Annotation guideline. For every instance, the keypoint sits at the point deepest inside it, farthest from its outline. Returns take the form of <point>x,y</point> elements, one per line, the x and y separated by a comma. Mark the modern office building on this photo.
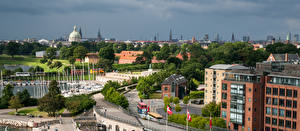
<point>264,99</point>
<point>213,80</point>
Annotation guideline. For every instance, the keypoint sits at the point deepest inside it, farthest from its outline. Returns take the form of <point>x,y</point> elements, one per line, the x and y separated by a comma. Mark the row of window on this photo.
<point>281,102</point>
<point>282,92</point>
<point>280,122</point>
<point>281,112</point>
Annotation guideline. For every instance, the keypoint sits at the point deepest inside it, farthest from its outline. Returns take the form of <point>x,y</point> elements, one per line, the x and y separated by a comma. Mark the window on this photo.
<point>224,96</point>
<point>281,122</point>
<point>281,92</point>
<point>275,91</point>
<point>248,118</point>
<point>288,113</point>
<point>275,101</point>
<point>267,129</point>
<point>294,104</point>
<point>268,100</point>
<point>249,99</point>
<point>281,102</point>
<point>249,89</point>
<point>289,93</point>
<point>267,120</point>
<point>295,93</point>
<point>288,103</point>
<point>274,129</point>
<point>294,114</point>
<point>268,90</point>
<point>294,125</point>
<point>224,114</point>
<point>274,111</point>
<point>166,88</point>
<point>288,124</point>
<point>224,86</point>
<point>249,109</point>
<point>268,110</point>
<point>281,112</point>
<point>224,105</point>
<point>274,121</point>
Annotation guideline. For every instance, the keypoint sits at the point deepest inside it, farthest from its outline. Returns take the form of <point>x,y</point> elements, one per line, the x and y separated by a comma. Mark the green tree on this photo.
<point>38,69</point>
<point>15,103</point>
<point>212,109</point>
<point>19,69</point>
<point>176,100</point>
<point>50,53</point>
<point>107,53</point>
<point>53,88</point>
<point>7,93</point>
<point>72,60</point>
<point>80,52</point>
<point>186,100</point>
<point>65,52</point>
<point>12,49</point>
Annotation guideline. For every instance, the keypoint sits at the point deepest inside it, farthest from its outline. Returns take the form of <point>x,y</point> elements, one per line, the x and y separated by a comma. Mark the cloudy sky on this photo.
<point>141,19</point>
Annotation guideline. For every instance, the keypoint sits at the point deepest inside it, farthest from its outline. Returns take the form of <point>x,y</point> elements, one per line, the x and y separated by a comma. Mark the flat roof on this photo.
<point>228,67</point>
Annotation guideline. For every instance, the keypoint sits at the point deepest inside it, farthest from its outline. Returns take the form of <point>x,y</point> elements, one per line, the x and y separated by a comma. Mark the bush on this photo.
<point>79,103</point>
<point>43,61</point>
<point>19,69</point>
<point>196,94</point>
<point>211,109</point>
<point>177,108</point>
<point>115,97</point>
<point>176,100</point>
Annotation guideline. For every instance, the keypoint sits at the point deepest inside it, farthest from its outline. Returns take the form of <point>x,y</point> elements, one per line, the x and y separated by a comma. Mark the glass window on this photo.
<point>268,100</point>
<point>268,110</point>
<point>288,124</point>
<point>294,114</point>
<point>274,121</point>
<point>224,96</point>
<point>288,113</point>
<point>281,112</point>
<point>249,89</point>
<point>275,91</point>
<point>289,93</point>
<point>281,122</point>
<point>268,90</point>
<point>267,120</point>
<point>275,101</point>
<point>224,86</point>
<point>295,93</point>
<point>224,114</point>
<point>166,88</point>
<point>224,105</point>
<point>267,129</point>
<point>282,92</point>
<point>274,111</point>
<point>249,99</point>
<point>274,129</point>
<point>294,104</point>
<point>281,102</point>
<point>294,125</point>
<point>288,103</point>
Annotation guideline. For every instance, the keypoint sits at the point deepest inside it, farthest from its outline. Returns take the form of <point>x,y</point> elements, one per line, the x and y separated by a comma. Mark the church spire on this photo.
<point>80,32</point>
<point>170,36</point>
<point>99,38</point>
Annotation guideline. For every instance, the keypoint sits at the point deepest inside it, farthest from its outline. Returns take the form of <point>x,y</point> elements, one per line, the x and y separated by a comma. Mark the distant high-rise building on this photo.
<point>181,37</point>
<point>232,38</point>
<point>206,37</point>
<point>155,38</point>
<point>170,36</point>
<point>270,38</point>
<point>296,37</point>
<point>80,32</point>
<point>193,39</point>
<point>288,36</point>
<point>99,37</point>
<point>217,38</point>
<point>246,38</point>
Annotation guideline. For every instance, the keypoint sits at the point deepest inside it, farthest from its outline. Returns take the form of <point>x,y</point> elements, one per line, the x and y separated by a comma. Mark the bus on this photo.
<point>142,108</point>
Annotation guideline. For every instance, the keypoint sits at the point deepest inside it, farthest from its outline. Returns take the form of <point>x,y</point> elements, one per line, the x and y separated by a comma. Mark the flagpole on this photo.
<point>187,121</point>
<point>167,121</point>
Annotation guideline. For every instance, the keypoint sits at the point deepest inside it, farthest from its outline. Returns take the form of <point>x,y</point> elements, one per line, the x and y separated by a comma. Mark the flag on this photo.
<point>148,109</point>
<point>188,116</point>
<point>169,110</point>
<point>210,123</point>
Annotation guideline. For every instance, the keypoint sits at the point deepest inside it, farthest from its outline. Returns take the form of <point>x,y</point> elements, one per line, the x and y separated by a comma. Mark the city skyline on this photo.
<point>140,20</point>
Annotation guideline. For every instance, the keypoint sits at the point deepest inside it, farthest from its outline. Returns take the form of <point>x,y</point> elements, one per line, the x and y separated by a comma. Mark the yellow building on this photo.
<point>213,80</point>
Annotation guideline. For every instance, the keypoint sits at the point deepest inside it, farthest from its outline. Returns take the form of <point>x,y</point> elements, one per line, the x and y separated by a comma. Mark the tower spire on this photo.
<point>170,35</point>
<point>80,32</point>
<point>232,38</point>
<point>99,35</point>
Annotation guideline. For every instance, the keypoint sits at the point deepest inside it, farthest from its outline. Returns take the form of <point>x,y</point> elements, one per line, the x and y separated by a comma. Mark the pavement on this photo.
<point>66,126</point>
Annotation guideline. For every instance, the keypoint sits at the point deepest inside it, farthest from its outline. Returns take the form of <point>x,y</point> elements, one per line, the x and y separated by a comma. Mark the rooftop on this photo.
<point>177,79</point>
<point>228,67</point>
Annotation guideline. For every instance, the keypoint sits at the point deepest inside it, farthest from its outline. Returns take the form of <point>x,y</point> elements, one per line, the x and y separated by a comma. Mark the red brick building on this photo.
<point>129,57</point>
<point>175,86</point>
<point>264,99</point>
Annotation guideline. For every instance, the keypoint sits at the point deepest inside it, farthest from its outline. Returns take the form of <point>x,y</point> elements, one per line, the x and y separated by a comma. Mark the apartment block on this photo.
<point>213,80</point>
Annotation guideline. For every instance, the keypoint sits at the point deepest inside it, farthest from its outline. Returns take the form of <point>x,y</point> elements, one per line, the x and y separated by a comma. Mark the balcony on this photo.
<point>242,78</point>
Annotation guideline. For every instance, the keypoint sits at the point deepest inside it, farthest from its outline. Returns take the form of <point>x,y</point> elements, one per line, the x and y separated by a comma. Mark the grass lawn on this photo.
<point>155,95</point>
<point>34,112</point>
<point>29,61</point>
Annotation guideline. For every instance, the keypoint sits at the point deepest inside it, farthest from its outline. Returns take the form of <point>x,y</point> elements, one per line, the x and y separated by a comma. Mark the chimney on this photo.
<point>286,57</point>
